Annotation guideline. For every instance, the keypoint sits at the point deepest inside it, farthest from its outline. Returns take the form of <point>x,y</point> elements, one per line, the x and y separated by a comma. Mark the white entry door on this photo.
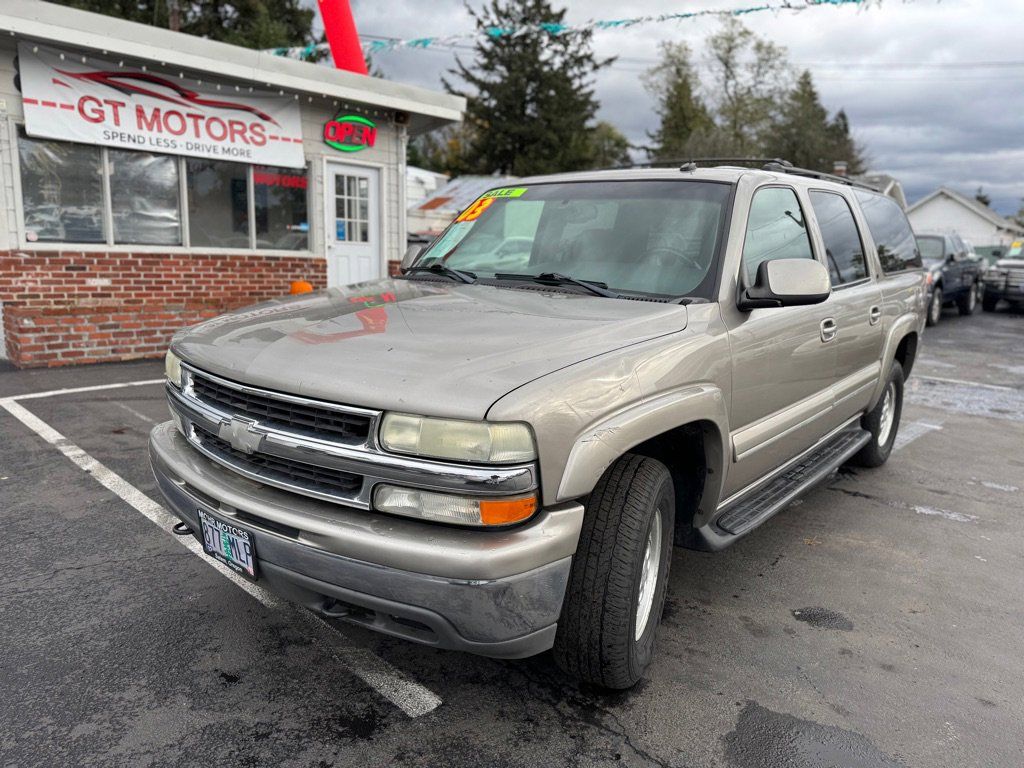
<point>353,224</point>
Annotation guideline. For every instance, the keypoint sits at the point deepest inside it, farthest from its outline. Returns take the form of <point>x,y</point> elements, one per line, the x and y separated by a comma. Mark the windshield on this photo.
<point>656,237</point>
<point>930,247</point>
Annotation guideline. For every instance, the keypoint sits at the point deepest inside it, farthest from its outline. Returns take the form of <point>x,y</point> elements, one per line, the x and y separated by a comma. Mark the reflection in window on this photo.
<point>218,203</point>
<point>144,198</point>
<point>282,221</point>
<point>61,191</point>
<point>843,250</point>
<point>775,230</point>
<point>897,248</point>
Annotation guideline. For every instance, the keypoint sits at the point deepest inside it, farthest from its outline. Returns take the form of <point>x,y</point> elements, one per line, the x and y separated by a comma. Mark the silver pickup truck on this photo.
<point>496,451</point>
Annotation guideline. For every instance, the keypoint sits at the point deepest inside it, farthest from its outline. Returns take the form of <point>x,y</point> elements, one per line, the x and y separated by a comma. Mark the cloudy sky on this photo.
<point>934,90</point>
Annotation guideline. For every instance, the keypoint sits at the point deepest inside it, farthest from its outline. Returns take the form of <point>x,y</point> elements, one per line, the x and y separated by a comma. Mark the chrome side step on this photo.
<point>765,500</point>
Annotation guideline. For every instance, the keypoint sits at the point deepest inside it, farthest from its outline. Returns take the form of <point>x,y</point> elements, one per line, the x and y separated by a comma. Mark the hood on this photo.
<point>417,346</point>
<point>1010,263</point>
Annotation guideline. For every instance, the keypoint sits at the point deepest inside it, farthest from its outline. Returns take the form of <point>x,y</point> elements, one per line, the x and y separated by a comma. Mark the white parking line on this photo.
<point>409,696</point>
<point>965,383</point>
<point>909,432</point>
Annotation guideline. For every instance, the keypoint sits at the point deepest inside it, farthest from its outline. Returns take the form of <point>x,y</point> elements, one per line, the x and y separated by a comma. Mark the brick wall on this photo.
<point>72,307</point>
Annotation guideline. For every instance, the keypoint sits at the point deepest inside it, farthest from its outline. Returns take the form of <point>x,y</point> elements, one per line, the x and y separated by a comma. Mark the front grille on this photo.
<point>304,477</point>
<point>309,419</point>
<point>1015,278</point>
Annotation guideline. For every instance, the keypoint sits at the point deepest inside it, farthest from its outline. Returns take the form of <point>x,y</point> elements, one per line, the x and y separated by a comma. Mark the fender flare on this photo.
<point>903,327</point>
<point>601,443</point>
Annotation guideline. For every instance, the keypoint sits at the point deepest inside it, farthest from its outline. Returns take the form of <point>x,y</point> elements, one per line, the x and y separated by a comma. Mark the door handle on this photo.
<point>829,329</point>
<point>874,315</point>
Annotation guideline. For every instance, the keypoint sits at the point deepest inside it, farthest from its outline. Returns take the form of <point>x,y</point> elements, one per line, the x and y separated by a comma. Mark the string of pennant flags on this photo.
<point>371,47</point>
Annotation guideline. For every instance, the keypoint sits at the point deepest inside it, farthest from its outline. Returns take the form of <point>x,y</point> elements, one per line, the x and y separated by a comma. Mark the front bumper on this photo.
<point>495,593</point>
<point>1003,289</point>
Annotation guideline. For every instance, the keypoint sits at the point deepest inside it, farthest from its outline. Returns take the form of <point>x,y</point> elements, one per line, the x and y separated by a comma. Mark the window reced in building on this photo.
<point>61,191</point>
<point>281,216</point>
<point>218,203</point>
<point>144,196</point>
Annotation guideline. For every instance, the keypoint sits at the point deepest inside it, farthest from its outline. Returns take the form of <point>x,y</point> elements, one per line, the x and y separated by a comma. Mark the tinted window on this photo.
<point>843,250</point>
<point>775,230</point>
<point>894,239</point>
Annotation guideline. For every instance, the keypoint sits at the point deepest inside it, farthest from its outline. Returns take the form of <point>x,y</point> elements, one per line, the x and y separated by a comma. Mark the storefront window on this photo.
<point>218,203</point>
<point>282,221</point>
<point>61,191</point>
<point>67,199</point>
<point>144,197</point>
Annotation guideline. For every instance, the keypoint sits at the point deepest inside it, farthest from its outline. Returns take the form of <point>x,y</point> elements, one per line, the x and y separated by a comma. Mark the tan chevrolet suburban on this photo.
<point>497,451</point>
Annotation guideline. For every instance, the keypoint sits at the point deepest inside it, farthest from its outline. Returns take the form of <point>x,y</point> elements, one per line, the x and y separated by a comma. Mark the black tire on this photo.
<point>988,303</point>
<point>596,640</point>
<point>968,301</point>
<point>935,306</point>
<point>877,451</point>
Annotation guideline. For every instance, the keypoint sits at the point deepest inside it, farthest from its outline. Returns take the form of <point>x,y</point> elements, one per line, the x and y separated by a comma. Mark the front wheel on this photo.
<point>882,421</point>
<point>935,307</point>
<point>968,301</point>
<point>616,590</point>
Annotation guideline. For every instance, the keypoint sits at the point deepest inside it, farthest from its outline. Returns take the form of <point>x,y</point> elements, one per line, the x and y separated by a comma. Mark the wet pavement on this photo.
<point>877,622</point>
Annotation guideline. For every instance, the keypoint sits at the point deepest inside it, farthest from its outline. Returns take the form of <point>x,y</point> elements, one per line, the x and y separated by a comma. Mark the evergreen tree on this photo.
<point>844,146</point>
<point>806,136</point>
<point>530,97</point>
<point>249,23</point>
<point>682,114</point>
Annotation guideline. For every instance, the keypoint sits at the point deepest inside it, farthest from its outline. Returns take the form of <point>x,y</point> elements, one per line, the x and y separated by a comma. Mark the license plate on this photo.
<point>228,543</point>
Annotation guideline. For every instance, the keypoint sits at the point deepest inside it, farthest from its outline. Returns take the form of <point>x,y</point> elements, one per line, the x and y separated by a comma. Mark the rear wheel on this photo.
<point>616,590</point>
<point>988,303</point>
<point>968,301</point>
<point>883,421</point>
<point>935,306</point>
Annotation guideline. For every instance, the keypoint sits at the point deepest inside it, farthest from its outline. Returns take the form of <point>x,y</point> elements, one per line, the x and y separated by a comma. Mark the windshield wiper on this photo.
<point>556,278</point>
<point>440,268</point>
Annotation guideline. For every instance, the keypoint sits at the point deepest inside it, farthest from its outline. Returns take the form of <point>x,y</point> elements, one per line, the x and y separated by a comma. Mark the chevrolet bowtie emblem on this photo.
<point>242,435</point>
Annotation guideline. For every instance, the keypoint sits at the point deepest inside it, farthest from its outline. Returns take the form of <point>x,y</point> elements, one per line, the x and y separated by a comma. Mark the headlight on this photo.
<point>449,508</point>
<point>172,368</point>
<point>483,442</point>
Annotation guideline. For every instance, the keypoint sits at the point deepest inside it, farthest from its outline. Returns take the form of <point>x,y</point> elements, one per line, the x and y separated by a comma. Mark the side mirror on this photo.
<point>411,254</point>
<point>787,283</point>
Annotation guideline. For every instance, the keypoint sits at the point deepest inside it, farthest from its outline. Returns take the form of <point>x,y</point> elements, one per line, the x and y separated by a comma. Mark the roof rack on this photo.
<point>769,164</point>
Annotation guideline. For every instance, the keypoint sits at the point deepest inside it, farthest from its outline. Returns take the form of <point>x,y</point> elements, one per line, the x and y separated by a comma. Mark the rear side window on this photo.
<point>894,239</point>
<point>843,250</point>
<point>776,229</point>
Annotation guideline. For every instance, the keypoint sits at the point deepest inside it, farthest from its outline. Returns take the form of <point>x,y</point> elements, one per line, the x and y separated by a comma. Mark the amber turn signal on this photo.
<point>505,511</point>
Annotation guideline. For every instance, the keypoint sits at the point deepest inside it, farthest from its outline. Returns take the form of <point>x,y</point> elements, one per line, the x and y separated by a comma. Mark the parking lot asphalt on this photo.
<point>876,622</point>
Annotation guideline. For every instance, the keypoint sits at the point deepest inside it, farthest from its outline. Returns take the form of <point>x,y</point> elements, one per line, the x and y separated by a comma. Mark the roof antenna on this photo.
<point>687,167</point>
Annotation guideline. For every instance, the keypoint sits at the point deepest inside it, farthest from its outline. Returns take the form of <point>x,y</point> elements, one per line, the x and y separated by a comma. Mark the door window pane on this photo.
<point>144,198</point>
<point>218,203</point>
<point>894,239</point>
<point>282,220</point>
<point>775,230</point>
<point>61,191</point>
<point>352,208</point>
<point>843,250</point>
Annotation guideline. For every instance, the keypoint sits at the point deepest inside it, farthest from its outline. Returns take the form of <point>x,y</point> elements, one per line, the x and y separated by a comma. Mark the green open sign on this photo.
<point>350,133</point>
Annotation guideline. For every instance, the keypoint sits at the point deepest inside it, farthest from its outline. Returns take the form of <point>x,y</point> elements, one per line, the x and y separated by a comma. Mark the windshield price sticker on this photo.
<point>505,192</point>
<point>473,212</point>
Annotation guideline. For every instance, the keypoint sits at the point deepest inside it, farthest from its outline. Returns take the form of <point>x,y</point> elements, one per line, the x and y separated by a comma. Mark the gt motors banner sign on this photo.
<point>99,102</point>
